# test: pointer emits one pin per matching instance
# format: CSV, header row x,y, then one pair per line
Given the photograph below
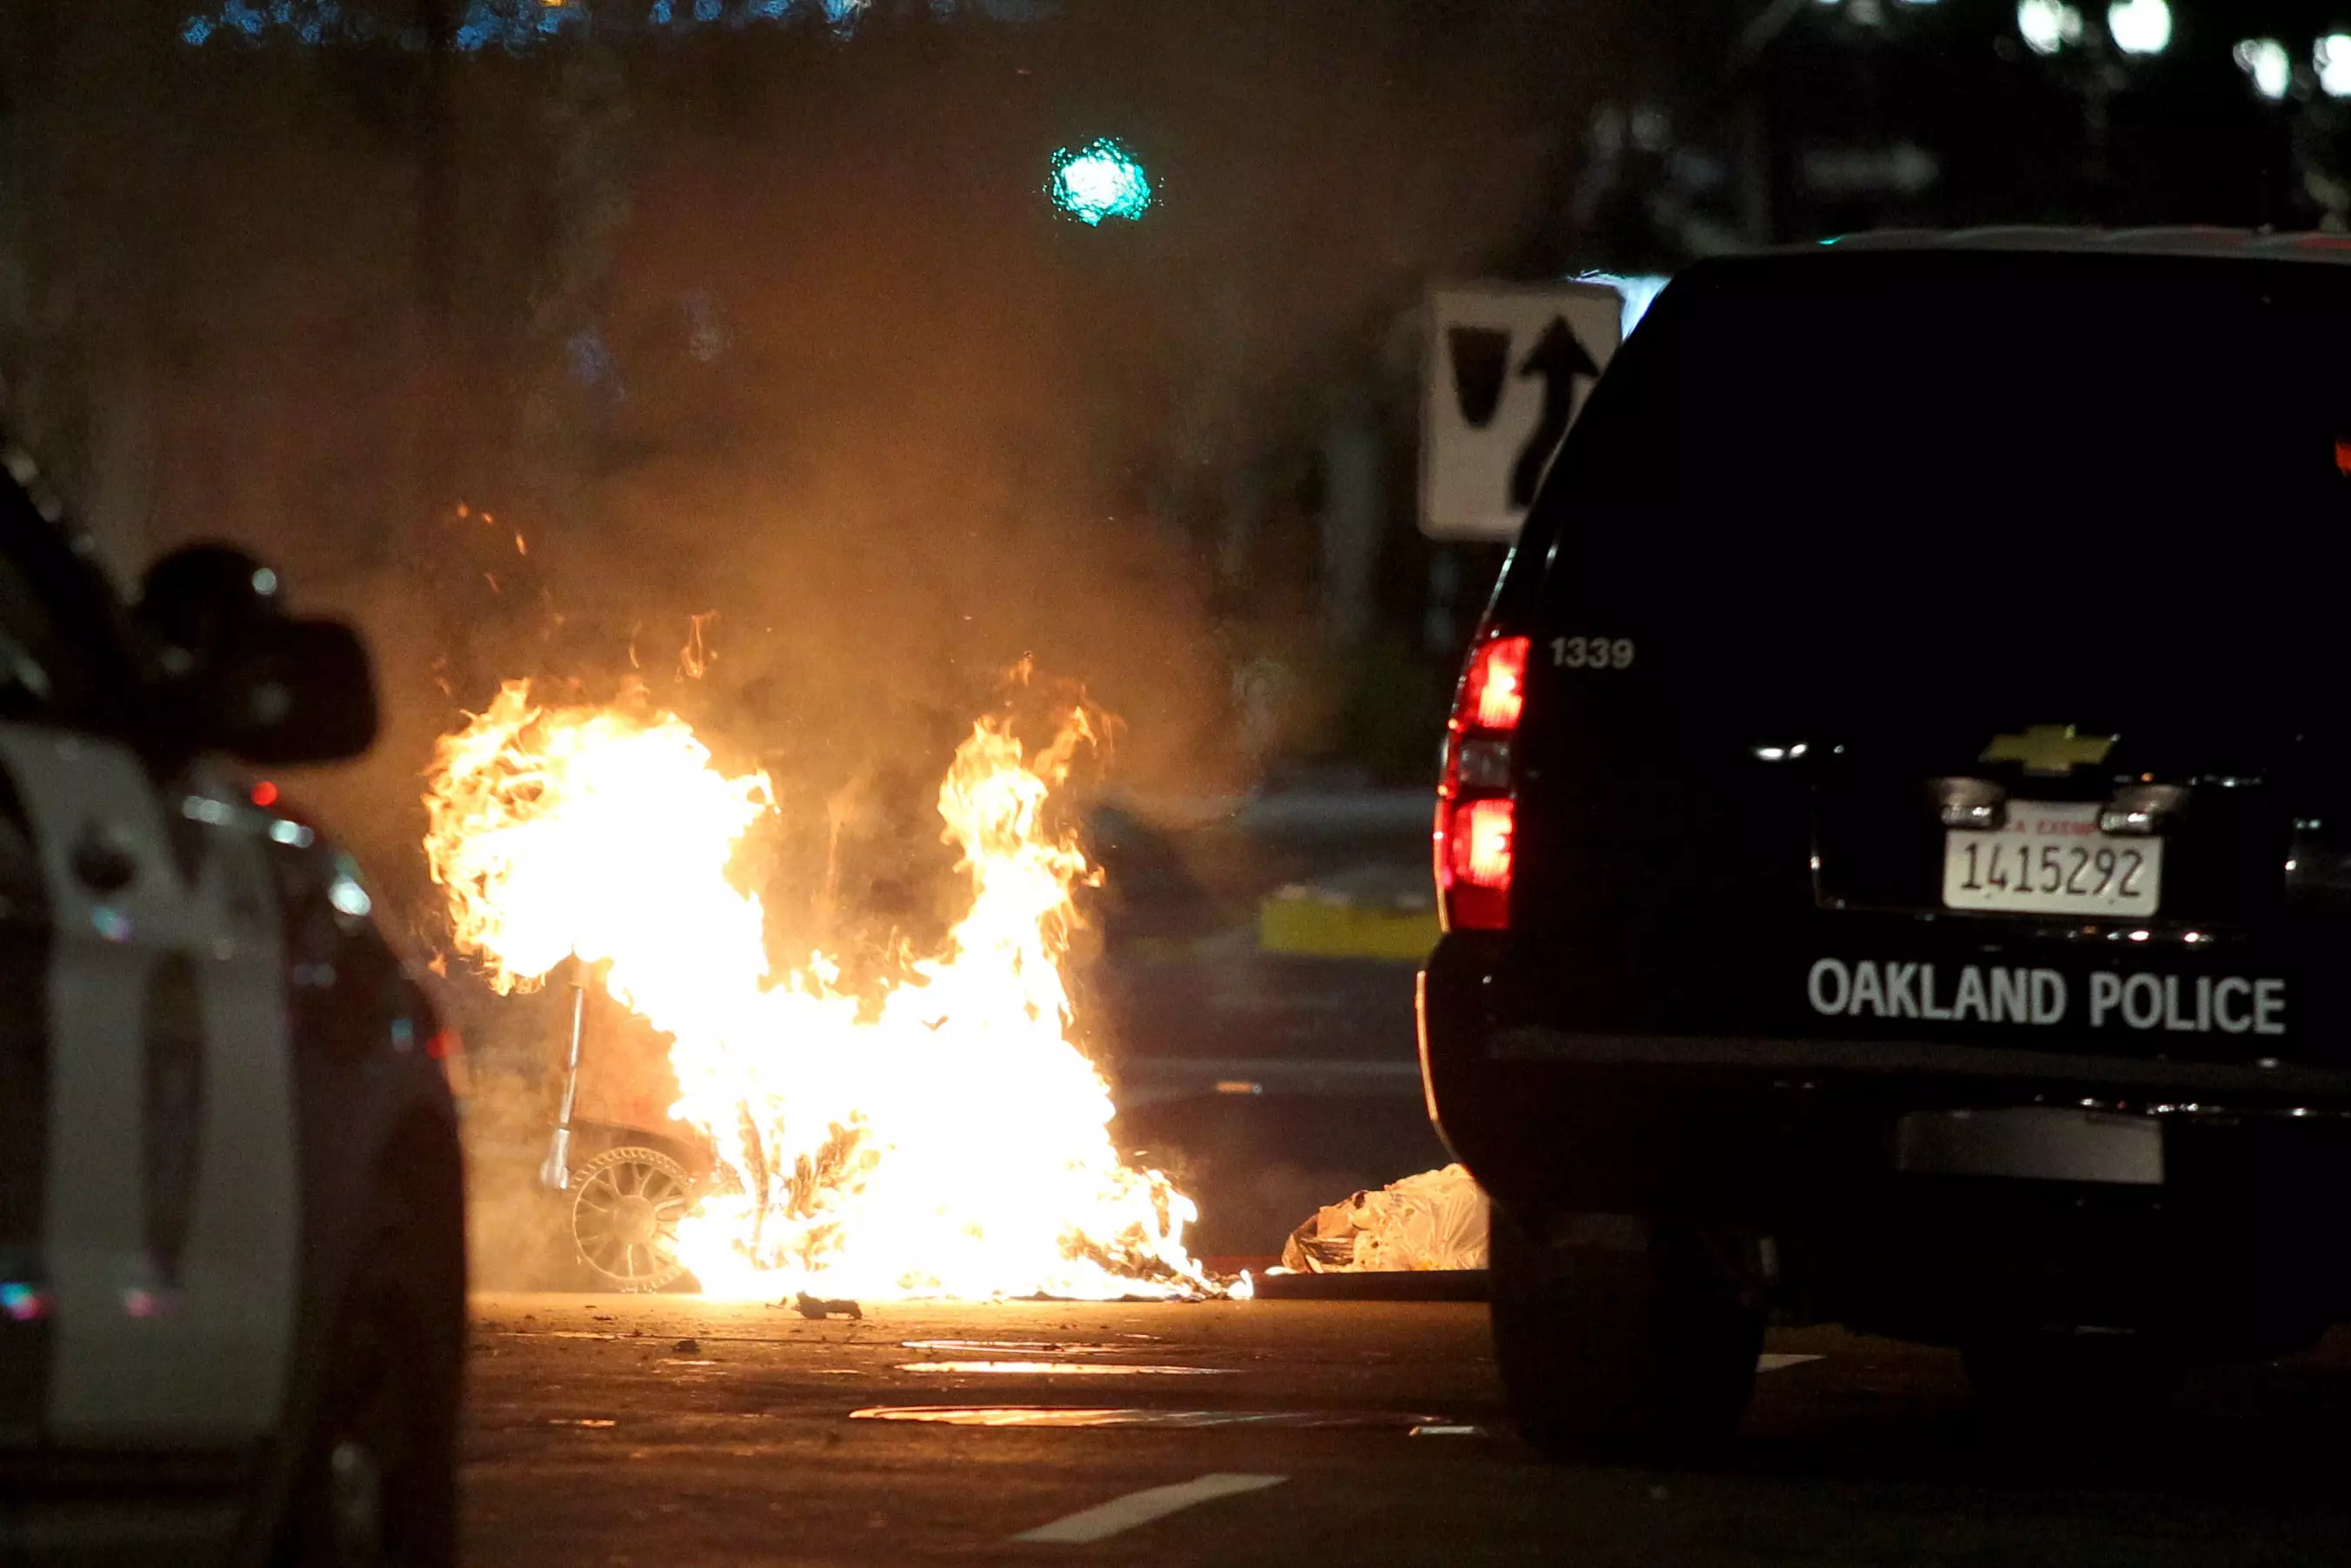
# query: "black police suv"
x,y
231,1263
1895,842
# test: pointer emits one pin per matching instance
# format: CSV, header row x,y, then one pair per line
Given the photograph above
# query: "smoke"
x,y
779,327
534,365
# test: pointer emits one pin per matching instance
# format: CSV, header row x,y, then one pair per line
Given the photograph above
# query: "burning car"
x,y
932,1132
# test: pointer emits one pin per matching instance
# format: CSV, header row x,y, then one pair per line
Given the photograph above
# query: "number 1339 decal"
x,y
1592,652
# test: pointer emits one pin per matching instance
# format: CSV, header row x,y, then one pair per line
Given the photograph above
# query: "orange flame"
x,y
941,1138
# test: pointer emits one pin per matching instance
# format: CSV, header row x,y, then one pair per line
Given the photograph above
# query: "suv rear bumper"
x,y
1806,1145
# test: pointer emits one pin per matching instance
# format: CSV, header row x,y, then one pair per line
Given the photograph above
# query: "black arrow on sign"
x,y
1480,356
1559,357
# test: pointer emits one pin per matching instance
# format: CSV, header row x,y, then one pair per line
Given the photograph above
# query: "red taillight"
x,y
1474,855
1481,843
1476,818
1494,688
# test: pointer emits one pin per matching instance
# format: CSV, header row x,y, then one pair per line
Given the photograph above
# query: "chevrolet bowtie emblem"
x,y
2051,749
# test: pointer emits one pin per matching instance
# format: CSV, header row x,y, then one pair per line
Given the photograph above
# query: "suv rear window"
x,y
1871,471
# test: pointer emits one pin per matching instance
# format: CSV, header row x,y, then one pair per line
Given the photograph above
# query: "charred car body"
x,y
1896,840
232,1266
604,1187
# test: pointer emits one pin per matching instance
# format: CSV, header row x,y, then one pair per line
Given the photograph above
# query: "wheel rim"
x,y
624,1218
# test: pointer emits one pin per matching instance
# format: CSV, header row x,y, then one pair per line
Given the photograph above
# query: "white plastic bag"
x,y
1433,1221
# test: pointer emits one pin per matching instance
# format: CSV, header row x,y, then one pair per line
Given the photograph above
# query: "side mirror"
x,y
232,672
295,691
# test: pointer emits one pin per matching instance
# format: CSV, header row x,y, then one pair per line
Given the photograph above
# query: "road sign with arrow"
x,y
1508,369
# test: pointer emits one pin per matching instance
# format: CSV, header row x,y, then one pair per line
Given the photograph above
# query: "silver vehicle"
x,y
232,1270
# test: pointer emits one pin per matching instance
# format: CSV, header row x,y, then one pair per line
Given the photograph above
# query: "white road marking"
x,y
1090,1416
1031,1346
1774,1361
1135,1507
1064,1368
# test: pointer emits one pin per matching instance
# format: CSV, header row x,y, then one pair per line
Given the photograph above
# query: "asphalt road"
x,y
594,1437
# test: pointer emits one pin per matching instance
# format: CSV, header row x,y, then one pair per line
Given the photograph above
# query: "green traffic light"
x,y
1101,180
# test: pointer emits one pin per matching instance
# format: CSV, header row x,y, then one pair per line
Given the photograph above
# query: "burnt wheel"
x,y
625,1206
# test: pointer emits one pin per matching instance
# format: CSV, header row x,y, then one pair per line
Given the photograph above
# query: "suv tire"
x,y
1637,1352
376,1486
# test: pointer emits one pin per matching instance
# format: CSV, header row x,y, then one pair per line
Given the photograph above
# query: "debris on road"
x,y
815,1307
1435,1220
688,1348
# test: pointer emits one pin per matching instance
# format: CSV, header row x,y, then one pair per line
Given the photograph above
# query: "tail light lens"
x,y
1494,687
1477,819
1481,843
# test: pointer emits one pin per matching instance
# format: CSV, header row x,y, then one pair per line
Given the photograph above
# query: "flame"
x,y
942,1137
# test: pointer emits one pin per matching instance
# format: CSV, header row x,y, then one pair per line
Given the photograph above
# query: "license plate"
x,y
2051,859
